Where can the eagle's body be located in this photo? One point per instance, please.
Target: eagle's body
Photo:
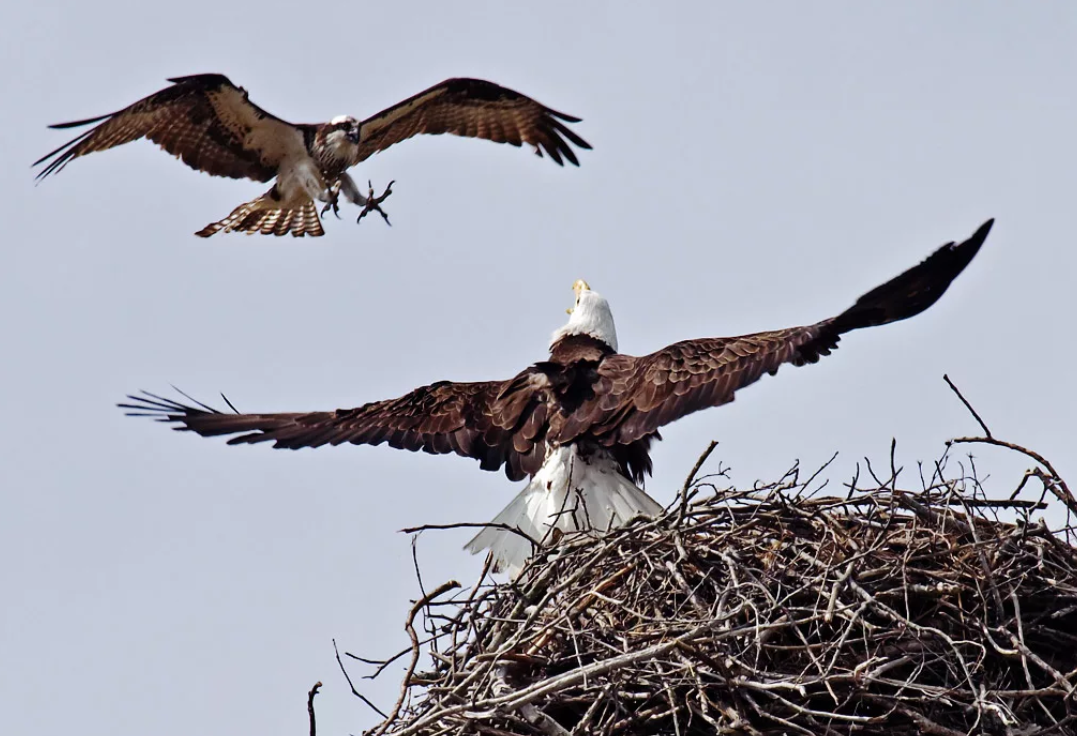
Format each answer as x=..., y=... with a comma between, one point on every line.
x=580, y=423
x=212, y=126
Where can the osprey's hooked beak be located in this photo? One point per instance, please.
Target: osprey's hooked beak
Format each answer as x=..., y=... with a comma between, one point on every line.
x=353, y=135
x=578, y=286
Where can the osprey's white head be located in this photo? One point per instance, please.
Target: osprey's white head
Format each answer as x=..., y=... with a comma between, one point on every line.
x=344, y=128
x=591, y=316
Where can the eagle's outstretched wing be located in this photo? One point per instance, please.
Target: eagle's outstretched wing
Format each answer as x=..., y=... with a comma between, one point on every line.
x=635, y=396
x=444, y=417
x=205, y=120
x=472, y=108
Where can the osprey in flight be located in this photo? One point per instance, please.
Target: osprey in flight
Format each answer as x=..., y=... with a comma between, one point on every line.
x=211, y=125
x=579, y=423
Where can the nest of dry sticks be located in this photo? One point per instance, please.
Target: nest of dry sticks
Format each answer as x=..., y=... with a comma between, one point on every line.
x=774, y=610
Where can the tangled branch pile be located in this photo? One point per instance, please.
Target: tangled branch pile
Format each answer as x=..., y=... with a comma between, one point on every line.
x=771, y=611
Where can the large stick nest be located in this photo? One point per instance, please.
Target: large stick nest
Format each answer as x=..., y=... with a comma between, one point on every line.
x=774, y=610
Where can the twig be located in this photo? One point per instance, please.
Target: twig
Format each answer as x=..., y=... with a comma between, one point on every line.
x=1061, y=492
x=968, y=406
x=355, y=692
x=692, y=476
x=470, y=525
x=409, y=626
x=310, y=707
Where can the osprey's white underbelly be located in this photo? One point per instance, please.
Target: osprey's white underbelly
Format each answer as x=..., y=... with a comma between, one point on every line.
x=299, y=180
x=571, y=492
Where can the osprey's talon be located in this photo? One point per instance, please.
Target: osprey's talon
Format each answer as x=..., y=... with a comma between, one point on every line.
x=334, y=197
x=332, y=205
x=373, y=204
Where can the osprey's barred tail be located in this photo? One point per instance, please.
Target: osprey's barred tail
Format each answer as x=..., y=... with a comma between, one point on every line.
x=264, y=215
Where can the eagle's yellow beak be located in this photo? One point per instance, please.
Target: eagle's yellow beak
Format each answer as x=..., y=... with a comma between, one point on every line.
x=577, y=286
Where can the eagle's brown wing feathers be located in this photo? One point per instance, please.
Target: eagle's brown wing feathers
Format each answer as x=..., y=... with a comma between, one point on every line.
x=635, y=396
x=445, y=417
x=204, y=120
x=475, y=109
x=508, y=422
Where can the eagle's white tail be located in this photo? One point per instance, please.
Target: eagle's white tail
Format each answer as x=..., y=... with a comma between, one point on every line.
x=570, y=493
x=265, y=215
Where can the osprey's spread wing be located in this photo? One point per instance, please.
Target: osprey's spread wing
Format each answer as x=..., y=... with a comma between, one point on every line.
x=205, y=120
x=635, y=396
x=441, y=418
x=472, y=108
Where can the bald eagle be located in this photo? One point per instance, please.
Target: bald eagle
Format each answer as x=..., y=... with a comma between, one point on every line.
x=578, y=424
x=212, y=126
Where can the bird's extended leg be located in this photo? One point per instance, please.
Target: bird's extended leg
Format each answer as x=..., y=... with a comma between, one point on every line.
x=350, y=190
x=373, y=204
x=331, y=196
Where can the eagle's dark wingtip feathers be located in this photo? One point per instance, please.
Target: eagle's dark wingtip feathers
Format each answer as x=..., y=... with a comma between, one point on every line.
x=943, y=266
x=230, y=404
x=961, y=254
x=148, y=404
x=982, y=232
x=915, y=290
x=205, y=407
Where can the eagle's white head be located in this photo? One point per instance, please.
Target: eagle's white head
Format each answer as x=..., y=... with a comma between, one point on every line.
x=591, y=316
x=344, y=128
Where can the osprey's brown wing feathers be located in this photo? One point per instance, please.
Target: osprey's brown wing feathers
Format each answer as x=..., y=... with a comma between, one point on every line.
x=463, y=418
x=204, y=120
x=635, y=396
x=472, y=108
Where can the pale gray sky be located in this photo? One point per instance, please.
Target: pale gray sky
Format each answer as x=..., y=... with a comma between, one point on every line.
x=755, y=166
